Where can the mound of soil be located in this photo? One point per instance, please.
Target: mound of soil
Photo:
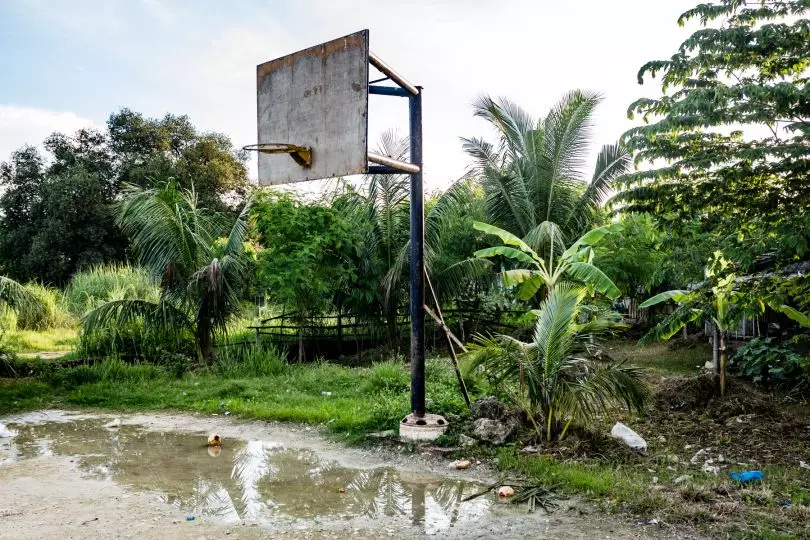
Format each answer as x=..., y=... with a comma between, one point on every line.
x=700, y=394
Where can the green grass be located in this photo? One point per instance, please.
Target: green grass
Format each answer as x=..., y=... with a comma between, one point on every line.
x=95, y=286
x=320, y=393
x=31, y=341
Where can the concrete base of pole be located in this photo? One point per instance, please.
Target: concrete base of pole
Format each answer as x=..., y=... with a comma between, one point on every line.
x=425, y=428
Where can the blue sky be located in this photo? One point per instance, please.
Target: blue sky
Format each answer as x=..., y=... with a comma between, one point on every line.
x=69, y=64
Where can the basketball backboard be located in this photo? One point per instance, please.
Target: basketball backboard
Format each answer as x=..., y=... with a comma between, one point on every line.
x=316, y=98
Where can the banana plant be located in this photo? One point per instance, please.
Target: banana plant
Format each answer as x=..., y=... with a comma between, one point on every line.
x=572, y=264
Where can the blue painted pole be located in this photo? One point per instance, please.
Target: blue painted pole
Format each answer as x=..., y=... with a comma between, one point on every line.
x=417, y=264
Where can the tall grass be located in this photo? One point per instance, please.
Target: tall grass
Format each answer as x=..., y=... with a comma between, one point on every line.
x=52, y=312
x=103, y=283
x=249, y=360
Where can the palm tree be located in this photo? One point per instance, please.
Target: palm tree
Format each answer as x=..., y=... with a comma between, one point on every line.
x=573, y=263
x=533, y=177
x=551, y=378
x=196, y=255
x=15, y=297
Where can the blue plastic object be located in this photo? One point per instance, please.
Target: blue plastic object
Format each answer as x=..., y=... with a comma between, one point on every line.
x=748, y=476
x=189, y=518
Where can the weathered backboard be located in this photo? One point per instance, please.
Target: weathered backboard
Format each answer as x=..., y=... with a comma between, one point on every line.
x=316, y=98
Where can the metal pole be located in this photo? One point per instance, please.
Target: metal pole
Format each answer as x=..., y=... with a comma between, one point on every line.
x=417, y=265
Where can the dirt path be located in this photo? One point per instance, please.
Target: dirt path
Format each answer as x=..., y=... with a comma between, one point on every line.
x=66, y=475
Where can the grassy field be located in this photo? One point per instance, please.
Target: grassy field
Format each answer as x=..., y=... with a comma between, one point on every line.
x=31, y=341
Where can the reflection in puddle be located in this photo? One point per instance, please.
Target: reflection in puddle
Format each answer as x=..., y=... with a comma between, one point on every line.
x=256, y=480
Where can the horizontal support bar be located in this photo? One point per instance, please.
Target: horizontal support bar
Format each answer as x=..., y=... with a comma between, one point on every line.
x=388, y=91
x=385, y=69
x=382, y=169
x=400, y=166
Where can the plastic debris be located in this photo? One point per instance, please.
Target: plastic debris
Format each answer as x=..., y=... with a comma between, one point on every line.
x=647, y=522
x=115, y=424
x=6, y=433
x=461, y=464
x=214, y=440
x=189, y=518
x=804, y=465
x=709, y=468
x=629, y=437
x=748, y=476
x=683, y=478
x=327, y=394
x=505, y=492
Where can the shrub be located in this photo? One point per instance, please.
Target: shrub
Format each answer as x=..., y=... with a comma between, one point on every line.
x=109, y=370
x=389, y=376
x=50, y=314
x=767, y=361
x=100, y=284
x=249, y=360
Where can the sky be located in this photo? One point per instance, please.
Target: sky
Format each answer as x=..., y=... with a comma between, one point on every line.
x=68, y=64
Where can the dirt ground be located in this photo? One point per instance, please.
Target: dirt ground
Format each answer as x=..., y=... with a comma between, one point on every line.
x=50, y=493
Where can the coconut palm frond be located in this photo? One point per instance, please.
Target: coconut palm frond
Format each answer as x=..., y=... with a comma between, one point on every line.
x=17, y=298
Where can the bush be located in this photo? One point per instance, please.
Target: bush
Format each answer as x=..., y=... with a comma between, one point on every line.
x=103, y=283
x=249, y=360
x=109, y=370
x=389, y=376
x=52, y=313
x=767, y=361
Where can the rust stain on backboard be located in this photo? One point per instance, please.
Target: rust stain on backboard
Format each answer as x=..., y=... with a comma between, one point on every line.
x=357, y=40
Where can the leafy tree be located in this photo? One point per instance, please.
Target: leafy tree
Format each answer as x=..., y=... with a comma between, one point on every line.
x=55, y=220
x=561, y=265
x=55, y=215
x=148, y=150
x=201, y=278
x=308, y=254
x=726, y=145
x=551, y=377
x=532, y=175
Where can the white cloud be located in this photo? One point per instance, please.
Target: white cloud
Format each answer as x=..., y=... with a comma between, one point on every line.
x=28, y=125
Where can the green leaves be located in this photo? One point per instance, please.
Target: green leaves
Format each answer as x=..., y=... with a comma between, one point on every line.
x=593, y=277
x=678, y=296
x=747, y=188
x=550, y=377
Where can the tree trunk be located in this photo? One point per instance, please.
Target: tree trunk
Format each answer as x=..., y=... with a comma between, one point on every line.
x=715, y=348
x=722, y=360
x=685, y=331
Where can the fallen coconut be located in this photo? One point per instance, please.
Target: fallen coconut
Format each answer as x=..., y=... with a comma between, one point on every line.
x=505, y=492
x=461, y=464
x=214, y=440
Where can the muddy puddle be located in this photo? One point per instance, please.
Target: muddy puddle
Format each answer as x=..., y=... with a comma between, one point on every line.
x=277, y=478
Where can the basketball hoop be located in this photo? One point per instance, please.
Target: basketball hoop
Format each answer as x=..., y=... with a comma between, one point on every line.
x=301, y=154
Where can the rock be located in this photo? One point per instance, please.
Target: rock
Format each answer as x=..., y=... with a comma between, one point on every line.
x=214, y=440
x=466, y=441
x=493, y=431
x=505, y=492
x=682, y=478
x=628, y=437
x=488, y=407
x=461, y=464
